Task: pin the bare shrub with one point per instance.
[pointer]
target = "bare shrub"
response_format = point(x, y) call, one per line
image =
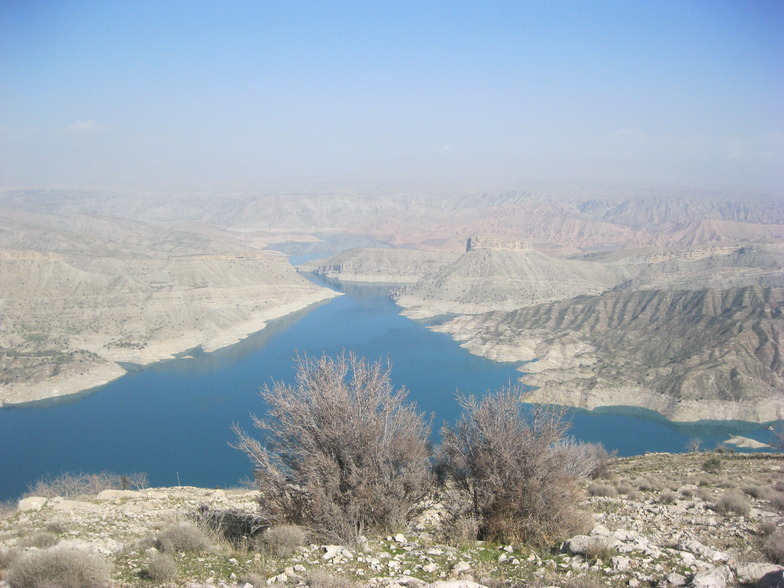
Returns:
point(602, 490)
point(733, 502)
point(757, 491)
point(712, 465)
point(185, 537)
point(773, 548)
point(687, 492)
point(507, 462)
point(41, 540)
point(584, 582)
point(73, 484)
point(343, 454)
point(694, 445)
point(776, 500)
point(599, 548)
point(590, 460)
point(649, 485)
point(282, 540)
point(60, 567)
point(634, 495)
point(321, 579)
point(7, 508)
point(8, 557)
point(767, 528)
point(668, 497)
point(234, 525)
point(161, 568)
point(461, 530)
point(623, 488)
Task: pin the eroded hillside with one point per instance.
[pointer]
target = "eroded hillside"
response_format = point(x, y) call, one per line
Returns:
point(689, 355)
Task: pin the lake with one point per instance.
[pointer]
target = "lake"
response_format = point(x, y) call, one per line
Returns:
point(173, 420)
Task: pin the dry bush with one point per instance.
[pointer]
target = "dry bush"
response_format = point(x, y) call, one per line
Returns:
point(623, 488)
point(687, 492)
point(60, 568)
point(668, 497)
point(590, 460)
point(649, 485)
point(508, 464)
point(343, 453)
point(760, 492)
point(635, 495)
point(8, 557)
point(733, 502)
point(460, 531)
point(712, 465)
point(602, 490)
point(7, 508)
point(73, 484)
point(161, 568)
point(776, 500)
point(185, 537)
point(41, 540)
point(234, 525)
point(773, 548)
point(282, 540)
point(599, 548)
point(321, 579)
point(584, 582)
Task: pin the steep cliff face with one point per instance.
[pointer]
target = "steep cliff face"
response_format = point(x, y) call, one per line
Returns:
point(690, 355)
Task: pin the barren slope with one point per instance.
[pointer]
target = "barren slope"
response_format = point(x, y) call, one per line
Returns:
point(65, 321)
point(689, 355)
point(504, 279)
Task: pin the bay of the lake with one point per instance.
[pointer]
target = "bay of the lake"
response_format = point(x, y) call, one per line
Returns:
point(173, 420)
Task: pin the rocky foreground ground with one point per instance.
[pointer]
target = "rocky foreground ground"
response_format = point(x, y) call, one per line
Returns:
point(699, 519)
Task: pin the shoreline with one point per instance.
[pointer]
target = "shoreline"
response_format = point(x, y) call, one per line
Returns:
point(64, 385)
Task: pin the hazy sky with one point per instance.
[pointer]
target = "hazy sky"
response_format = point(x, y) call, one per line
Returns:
point(684, 92)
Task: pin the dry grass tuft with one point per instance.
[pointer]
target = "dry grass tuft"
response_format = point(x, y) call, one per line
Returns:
point(60, 568)
point(733, 502)
point(282, 540)
point(161, 568)
point(185, 537)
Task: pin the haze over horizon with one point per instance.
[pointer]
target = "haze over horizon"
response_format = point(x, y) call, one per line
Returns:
point(476, 93)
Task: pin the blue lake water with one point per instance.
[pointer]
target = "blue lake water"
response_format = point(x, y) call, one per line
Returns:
point(173, 420)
